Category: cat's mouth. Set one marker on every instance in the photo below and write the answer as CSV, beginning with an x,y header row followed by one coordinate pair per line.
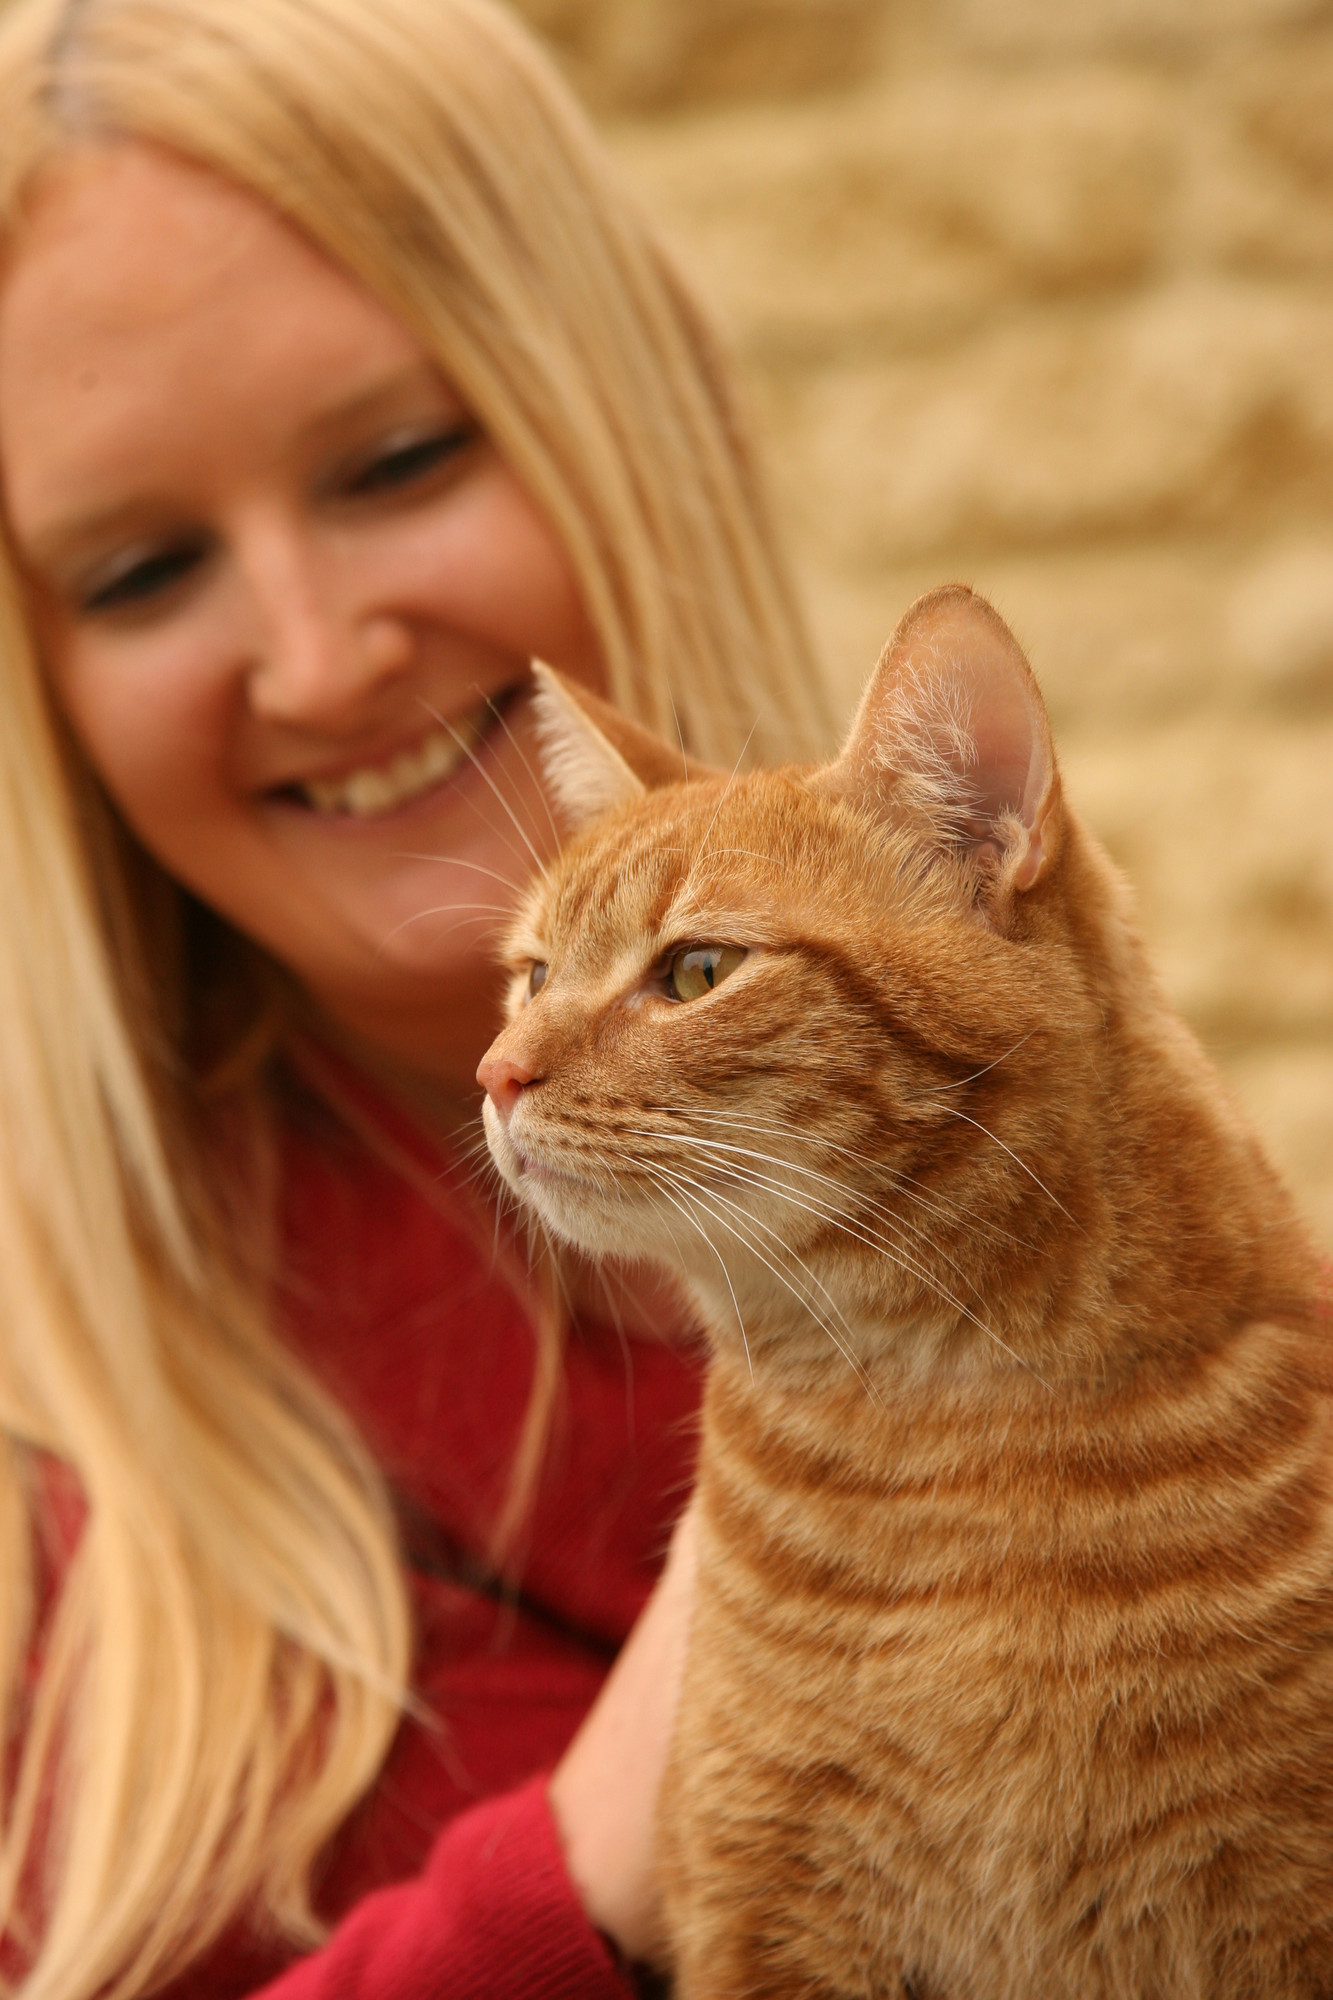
x,y
529,1167
540,1172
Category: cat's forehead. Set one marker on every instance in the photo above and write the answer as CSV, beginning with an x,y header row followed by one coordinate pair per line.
x,y
647,866
745,854
625,874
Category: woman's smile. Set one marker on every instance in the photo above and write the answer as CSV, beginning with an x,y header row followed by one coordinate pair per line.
x,y
372,788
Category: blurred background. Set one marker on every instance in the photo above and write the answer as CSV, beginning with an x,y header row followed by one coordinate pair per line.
x,y
1038,294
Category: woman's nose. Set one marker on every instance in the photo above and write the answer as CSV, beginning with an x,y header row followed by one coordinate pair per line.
x,y
317,653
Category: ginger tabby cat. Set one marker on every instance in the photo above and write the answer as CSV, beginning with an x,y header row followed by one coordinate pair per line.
x,y
1011,1674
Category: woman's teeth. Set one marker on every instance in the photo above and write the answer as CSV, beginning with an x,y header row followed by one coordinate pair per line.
x,y
365,793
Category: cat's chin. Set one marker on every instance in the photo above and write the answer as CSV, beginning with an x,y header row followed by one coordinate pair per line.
x,y
575,1212
573,1208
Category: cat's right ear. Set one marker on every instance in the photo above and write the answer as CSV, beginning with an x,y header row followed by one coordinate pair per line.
x,y
594,758
952,731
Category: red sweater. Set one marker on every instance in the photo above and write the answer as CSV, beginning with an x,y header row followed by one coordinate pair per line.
x,y
448,1882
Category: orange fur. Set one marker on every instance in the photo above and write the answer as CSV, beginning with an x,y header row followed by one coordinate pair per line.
x,y
1012,1665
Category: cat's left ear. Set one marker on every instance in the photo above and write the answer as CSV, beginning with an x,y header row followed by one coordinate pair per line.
x,y
593,757
952,727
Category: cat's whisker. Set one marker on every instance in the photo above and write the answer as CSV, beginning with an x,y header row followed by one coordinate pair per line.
x,y
680,738
872,1241
936,1088
474,1152
455,861
820,1206
538,860
853,1362
752,854
954,1112
895,1255
500,833
929,1199
875,1207
537,785
488,913
692,1195
695,1224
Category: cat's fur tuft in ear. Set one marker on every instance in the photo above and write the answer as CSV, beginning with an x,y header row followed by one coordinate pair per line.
x,y
585,773
952,727
594,757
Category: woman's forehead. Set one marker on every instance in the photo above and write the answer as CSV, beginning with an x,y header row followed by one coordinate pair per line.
x,y
124,205
147,298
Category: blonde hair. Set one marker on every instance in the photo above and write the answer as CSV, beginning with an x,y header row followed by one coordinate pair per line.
x,y
227,1659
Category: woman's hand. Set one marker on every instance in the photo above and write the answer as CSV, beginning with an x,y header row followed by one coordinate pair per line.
x,y
604,1791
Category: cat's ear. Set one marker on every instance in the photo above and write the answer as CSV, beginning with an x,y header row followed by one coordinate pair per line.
x,y
953,726
592,756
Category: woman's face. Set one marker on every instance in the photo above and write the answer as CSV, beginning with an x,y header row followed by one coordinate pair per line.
x,y
280,582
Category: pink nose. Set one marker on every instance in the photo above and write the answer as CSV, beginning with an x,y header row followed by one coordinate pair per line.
x,y
504,1080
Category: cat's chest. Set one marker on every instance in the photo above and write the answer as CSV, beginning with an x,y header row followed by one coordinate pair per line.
x,y
1009,1582
975,1686
866,1580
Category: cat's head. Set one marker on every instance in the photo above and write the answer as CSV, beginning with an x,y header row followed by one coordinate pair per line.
x,y
816,1038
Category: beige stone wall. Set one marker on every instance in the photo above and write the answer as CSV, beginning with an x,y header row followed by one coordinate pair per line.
x,y
1039,294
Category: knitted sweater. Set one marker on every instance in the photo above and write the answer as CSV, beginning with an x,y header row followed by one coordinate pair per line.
x,y
448,1882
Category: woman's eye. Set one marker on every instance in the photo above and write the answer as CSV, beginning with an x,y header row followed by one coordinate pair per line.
x,y
412,459
536,980
148,576
697,971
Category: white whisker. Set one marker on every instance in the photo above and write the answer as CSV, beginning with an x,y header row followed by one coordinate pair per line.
x,y
893,1253
488,911
955,1113
680,738
503,721
875,1240
867,1202
927,1198
699,851
754,1250
695,1224
500,799
935,1089
455,861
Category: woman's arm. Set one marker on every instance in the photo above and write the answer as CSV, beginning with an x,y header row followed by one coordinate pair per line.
x,y
604,1792
520,1894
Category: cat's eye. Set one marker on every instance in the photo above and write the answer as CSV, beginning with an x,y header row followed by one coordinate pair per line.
x,y
536,980
700,968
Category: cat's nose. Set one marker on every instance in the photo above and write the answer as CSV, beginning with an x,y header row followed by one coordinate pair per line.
x,y
503,1079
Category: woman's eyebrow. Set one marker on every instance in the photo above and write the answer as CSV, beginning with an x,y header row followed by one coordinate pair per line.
x,y
385,396
63,539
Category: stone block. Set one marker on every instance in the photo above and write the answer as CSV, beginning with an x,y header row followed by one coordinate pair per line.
x,y
1226,831
1121,637
1033,29
1198,405
663,54
1282,98
1287,1092
911,211
1257,145
1279,624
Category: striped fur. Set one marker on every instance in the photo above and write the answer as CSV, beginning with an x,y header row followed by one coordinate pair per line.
x,y
1012,1669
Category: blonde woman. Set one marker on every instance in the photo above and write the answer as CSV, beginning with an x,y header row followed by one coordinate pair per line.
x,y
337,379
